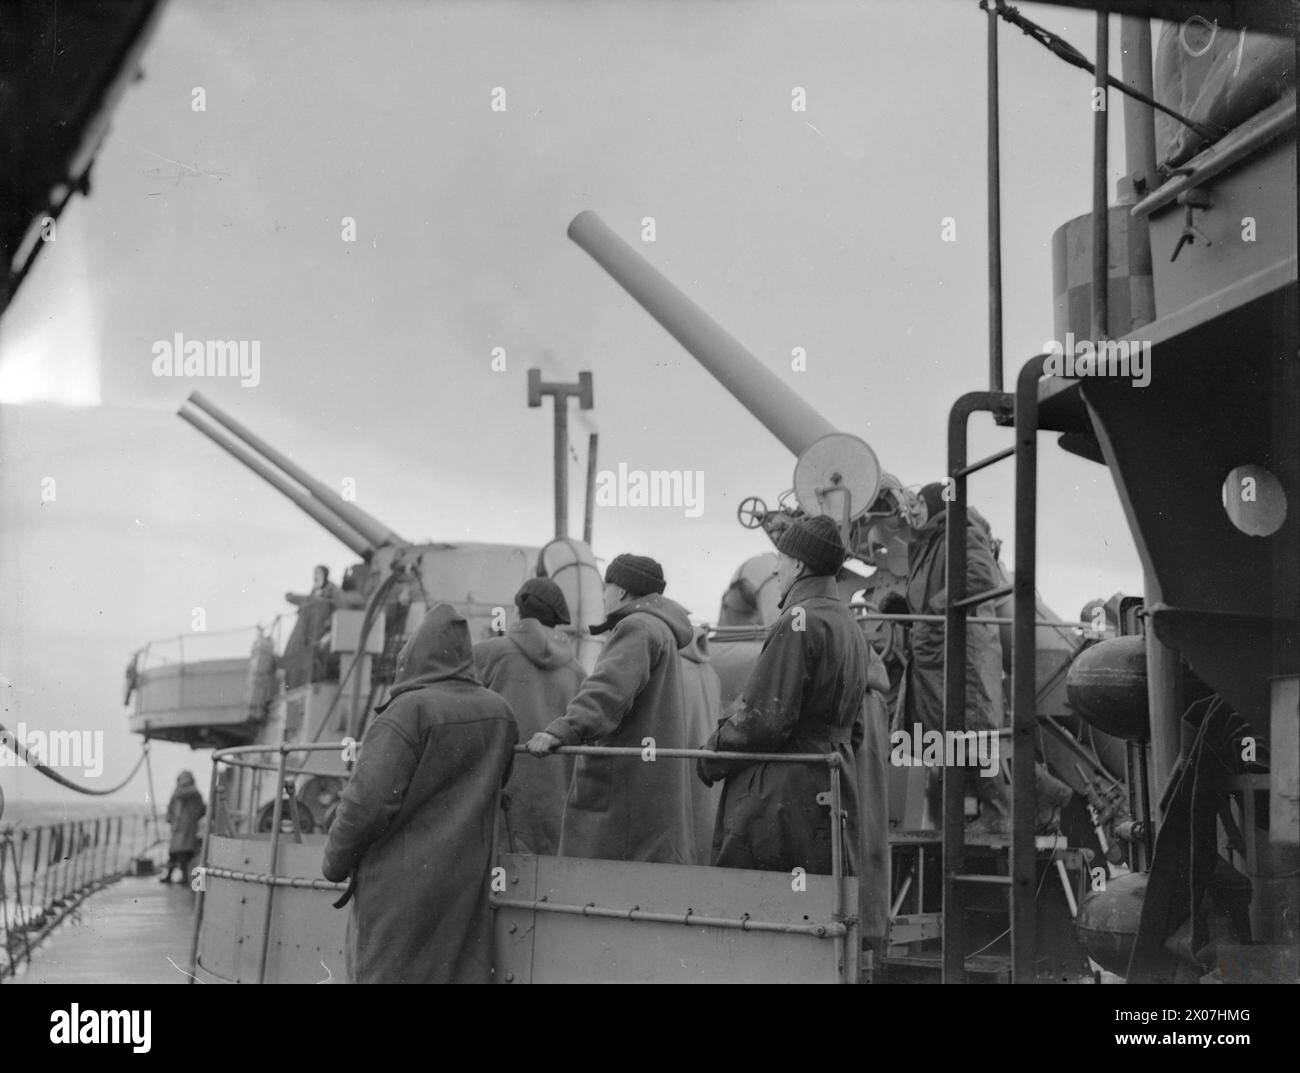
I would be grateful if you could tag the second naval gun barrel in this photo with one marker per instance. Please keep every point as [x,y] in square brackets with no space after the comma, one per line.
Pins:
[331,522]
[783,413]
[374,531]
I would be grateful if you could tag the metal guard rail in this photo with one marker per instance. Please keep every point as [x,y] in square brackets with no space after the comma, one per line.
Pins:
[839,929]
[48,870]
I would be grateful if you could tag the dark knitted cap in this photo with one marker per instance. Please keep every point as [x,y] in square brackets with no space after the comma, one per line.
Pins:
[542,599]
[816,543]
[638,574]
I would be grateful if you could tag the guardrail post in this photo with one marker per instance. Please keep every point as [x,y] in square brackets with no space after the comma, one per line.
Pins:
[203,880]
[85,860]
[1024,914]
[837,868]
[276,813]
[45,882]
[74,860]
[20,909]
[4,905]
[65,862]
[36,863]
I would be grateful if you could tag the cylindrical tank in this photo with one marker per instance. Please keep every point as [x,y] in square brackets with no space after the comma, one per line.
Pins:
[1130,290]
[571,565]
[1107,686]
[1107,922]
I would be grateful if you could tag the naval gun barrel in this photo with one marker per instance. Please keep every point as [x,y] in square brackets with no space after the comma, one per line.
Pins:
[334,525]
[783,413]
[374,531]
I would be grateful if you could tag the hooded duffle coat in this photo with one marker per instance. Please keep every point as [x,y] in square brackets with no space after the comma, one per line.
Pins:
[184,811]
[534,669]
[630,808]
[927,594]
[414,825]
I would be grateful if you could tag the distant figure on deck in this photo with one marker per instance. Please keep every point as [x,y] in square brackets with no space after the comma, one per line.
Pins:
[413,832]
[630,808]
[304,660]
[804,695]
[184,811]
[322,588]
[534,668]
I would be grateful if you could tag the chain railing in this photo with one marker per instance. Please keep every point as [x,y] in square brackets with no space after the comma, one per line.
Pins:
[48,870]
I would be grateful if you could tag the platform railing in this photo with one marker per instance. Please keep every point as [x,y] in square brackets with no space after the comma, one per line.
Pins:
[232,643]
[842,929]
[48,870]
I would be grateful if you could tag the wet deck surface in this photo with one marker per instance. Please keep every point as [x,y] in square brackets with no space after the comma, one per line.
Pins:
[126,934]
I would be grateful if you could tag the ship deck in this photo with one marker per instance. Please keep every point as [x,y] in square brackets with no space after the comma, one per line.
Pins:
[135,931]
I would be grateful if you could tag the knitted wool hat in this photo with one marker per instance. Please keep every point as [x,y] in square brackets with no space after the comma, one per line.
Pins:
[542,599]
[816,543]
[638,574]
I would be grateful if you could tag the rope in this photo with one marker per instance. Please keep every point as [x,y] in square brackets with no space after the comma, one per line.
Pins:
[1063,50]
[21,750]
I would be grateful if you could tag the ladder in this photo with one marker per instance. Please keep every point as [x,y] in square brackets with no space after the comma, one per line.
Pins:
[1020,409]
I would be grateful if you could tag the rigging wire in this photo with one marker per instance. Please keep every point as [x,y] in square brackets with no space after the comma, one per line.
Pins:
[1063,50]
[12,742]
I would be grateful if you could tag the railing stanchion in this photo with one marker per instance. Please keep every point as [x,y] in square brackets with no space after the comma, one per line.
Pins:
[65,862]
[203,879]
[36,867]
[20,909]
[45,879]
[844,955]
[74,860]
[275,848]
[4,906]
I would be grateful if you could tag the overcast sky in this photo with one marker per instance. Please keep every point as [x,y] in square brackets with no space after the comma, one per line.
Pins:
[817,229]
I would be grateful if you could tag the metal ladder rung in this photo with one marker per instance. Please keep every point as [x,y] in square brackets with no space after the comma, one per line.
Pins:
[996,881]
[983,463]
[983,597]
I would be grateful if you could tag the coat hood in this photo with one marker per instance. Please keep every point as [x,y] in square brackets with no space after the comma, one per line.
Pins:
[667,611]
[981,522]
[439,650]
[545,647]
[697,649]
